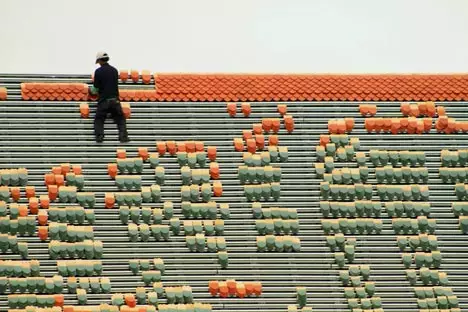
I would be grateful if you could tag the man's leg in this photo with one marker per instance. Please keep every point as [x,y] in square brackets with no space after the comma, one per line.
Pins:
[120,121]
[99,118]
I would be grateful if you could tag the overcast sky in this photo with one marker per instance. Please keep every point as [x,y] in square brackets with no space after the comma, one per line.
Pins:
[338,36]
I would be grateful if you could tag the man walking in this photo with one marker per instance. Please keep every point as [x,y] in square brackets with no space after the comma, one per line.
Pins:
[106,81]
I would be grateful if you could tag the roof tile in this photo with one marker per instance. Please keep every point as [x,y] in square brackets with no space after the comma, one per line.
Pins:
[242,87]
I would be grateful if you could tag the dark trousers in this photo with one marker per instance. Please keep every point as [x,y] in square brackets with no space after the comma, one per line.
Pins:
[112,107]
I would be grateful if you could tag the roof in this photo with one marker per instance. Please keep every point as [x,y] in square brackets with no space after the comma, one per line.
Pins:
[257,87]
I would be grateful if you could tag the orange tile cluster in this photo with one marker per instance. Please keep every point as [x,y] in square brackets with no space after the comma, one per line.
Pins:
[138,95]
[427,109]
[368,110]
[55,179]
[126,110]
[450,125]
[410,125]
[232,109]
[232,288]
[3,94]
[268,125]
[84,110]
[340,126]
[54,91]
[255,141]
[134,75]
[239,87]
[172,147]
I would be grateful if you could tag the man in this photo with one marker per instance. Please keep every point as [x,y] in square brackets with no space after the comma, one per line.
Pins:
[106,81]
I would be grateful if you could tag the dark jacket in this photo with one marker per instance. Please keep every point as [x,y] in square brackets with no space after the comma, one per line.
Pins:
[106,79]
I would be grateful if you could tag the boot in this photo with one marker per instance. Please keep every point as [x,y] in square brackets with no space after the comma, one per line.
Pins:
[123,138]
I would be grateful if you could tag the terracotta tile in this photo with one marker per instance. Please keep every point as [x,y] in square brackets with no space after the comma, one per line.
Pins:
[238,87]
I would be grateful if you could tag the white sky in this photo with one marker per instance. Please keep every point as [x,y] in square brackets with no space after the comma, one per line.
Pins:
[312,36]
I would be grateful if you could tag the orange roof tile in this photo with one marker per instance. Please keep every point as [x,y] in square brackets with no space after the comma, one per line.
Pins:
[3,94]
[54,91]
[258,87]
[240,87]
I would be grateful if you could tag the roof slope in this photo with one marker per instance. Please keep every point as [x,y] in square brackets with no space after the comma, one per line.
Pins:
[385,246]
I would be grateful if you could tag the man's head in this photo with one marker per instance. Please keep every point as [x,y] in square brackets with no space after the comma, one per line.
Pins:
[102,58]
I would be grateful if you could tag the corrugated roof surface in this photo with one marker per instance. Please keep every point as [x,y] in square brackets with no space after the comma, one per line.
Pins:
[378,250]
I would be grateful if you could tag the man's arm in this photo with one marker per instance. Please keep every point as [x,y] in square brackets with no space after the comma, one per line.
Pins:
[97,79]
[117,81]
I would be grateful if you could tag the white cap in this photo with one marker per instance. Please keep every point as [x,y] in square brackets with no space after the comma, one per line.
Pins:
[101,55]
